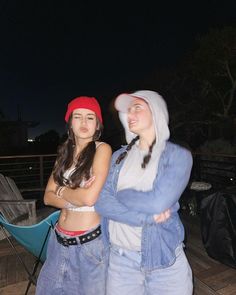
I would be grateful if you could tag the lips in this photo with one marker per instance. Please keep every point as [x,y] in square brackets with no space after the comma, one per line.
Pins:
[131,123]
[84,129]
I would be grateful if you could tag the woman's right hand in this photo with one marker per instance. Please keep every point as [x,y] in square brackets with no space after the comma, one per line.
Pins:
[162,217]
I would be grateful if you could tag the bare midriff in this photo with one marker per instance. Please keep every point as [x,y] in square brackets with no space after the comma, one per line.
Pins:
[78,221]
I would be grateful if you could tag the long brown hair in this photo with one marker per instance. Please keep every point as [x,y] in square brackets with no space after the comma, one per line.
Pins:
[65,158]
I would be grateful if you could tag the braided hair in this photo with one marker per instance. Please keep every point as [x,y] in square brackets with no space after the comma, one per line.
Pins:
[128,148]
[146,158]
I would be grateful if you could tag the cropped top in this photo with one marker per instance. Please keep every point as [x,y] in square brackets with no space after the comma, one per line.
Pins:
[67,175]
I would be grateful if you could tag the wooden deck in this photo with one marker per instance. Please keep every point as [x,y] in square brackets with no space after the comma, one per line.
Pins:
[210,276]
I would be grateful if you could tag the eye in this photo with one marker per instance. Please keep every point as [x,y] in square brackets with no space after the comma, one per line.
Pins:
[91,118]
[138,107]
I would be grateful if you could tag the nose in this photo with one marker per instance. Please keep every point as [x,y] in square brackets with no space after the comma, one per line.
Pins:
[130,114]
[83,121]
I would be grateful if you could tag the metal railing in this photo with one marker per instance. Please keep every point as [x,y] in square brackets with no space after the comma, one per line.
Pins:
[217,169]
[30,172]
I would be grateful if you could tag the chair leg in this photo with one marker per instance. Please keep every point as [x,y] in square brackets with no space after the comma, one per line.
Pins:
[28,287]
[31,275]
[32,278]
[16,252]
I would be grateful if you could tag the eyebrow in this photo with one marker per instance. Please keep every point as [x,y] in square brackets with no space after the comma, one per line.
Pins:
[78,113]
[135,104]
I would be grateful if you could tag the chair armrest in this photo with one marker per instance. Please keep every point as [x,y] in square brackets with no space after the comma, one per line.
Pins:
[19,201]
[39,189]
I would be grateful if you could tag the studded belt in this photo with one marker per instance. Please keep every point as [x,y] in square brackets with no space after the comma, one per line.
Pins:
[79,239]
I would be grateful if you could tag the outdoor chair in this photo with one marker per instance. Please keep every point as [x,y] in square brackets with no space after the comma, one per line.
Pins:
[13,206]
[33,238]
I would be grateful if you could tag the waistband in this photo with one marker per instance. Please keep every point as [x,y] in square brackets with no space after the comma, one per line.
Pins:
[69,232]
[81,239]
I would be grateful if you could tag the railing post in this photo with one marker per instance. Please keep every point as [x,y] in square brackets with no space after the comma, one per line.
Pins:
[41,171]
[196,166]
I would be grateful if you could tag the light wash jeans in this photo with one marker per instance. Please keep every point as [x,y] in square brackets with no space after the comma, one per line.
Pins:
[126,277]
[74,270]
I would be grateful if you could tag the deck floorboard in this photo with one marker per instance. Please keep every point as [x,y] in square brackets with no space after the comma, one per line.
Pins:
[210,276]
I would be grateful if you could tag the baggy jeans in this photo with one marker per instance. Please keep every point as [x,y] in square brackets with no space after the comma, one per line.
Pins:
[126,277]
[74,270]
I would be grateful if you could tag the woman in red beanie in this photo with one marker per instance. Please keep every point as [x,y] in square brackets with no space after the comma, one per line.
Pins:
[77,255]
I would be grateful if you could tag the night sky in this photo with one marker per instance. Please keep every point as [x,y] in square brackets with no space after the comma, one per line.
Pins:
[52,51]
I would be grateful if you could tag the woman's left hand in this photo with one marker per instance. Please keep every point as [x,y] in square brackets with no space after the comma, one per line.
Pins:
[162,217]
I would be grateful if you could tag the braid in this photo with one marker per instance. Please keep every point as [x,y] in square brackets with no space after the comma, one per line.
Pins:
[147,158]
[128,148]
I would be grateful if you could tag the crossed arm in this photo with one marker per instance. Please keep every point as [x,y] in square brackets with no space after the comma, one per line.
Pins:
[82,196]
[136,207]
[109,206]
[167,188]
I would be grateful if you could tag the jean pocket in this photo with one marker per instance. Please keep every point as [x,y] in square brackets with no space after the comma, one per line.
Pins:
[115,250]
[96,251]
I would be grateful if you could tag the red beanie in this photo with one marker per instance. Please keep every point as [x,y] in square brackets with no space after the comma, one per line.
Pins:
[84,102]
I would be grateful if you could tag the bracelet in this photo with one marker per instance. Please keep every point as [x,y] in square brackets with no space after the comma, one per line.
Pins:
[59,191]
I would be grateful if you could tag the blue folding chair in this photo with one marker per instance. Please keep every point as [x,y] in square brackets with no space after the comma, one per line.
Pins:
[33,238]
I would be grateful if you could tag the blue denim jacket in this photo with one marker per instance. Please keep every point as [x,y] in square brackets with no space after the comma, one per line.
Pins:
[136,208]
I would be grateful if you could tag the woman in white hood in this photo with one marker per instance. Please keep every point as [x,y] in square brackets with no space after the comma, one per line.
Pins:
[139,203]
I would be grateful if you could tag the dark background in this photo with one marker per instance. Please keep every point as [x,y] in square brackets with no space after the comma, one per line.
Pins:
[52,51]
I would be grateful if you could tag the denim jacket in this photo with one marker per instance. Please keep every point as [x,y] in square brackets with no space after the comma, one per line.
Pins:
[136,208]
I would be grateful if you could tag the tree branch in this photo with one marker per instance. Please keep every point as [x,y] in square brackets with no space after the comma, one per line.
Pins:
[229,73]
[231,97]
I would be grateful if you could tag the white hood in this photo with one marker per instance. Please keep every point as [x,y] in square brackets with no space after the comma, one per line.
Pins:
[159,112]
[160,117]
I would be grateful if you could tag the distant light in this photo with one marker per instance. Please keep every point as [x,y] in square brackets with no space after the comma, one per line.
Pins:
[30,140]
